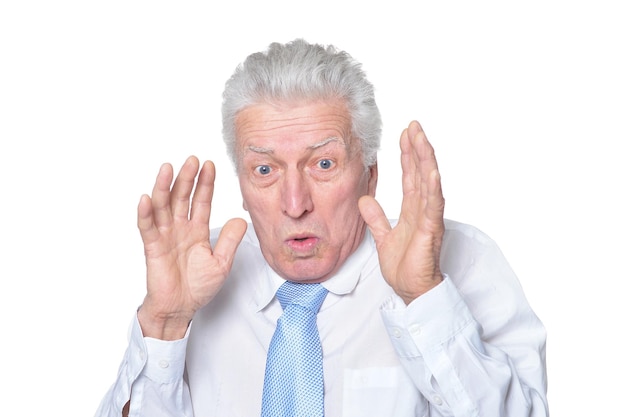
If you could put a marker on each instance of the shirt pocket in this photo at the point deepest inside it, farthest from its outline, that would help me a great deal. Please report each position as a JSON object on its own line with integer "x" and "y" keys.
{"x": 381, "y": 391}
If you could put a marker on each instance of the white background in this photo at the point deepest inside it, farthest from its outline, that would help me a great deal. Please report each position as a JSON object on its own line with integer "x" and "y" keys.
{"x": 524, "y": 103}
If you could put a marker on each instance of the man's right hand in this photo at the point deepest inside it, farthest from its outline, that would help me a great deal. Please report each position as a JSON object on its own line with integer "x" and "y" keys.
{"x": 183, "y": 272}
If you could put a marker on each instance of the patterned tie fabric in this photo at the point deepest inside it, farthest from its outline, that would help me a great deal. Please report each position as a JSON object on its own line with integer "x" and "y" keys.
{"x": 294, "y": 377}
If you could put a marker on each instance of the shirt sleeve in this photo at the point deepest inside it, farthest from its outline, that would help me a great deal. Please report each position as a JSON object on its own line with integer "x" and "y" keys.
{"x": 151, "y": 373}
{"x": 476, "y": 349}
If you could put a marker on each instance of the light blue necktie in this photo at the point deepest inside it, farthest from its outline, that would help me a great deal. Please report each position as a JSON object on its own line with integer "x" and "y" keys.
{"x": 294, "y": 376}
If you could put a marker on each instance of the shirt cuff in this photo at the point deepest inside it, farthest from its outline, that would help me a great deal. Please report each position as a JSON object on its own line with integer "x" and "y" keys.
{"x": 428, "y": 321}
{"x": 162, "y": 361}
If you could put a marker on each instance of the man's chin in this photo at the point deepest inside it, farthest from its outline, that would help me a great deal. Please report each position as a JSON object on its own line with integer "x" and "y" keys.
{"x": 304, "y": 270}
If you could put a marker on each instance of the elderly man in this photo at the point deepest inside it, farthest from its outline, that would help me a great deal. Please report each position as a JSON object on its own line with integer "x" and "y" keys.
{"x": 415, "y": 317}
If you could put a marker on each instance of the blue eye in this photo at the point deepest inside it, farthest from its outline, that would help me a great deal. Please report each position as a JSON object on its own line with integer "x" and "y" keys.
{"x": 325, "y": 164}
{"x": 263, "y": 169}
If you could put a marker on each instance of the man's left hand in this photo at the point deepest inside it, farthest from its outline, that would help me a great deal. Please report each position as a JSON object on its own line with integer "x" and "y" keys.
{"x": 409, "y": 252}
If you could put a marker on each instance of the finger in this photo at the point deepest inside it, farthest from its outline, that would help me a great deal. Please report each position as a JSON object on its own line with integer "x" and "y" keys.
{"x": 203, "y": 195}
{"x": 435, "y": 202}
{"x": 374, "y": 217}
{"x": 431, "y": 197}
{"x": 410, "y": 179}
{"x": 161, "y": 213}
{"x": 145, "y": 221}
{"x": 413, "y": 198}
{"x": 228, "y": 240}
{"x": 423, "y": 153}
{"x": 181, "y": 191}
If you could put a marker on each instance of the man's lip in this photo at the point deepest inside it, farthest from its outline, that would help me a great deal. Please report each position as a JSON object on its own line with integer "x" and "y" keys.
{"x": 302, "y": 243}
{"x": 301, "y": 237}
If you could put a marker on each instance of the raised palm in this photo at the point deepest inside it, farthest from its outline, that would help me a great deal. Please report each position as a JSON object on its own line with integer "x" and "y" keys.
{"x": 409, "y": 252}
{"x": 183, "y": 271}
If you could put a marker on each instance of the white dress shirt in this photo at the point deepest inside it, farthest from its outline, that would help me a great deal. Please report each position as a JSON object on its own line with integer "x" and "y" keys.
{"x": 471, "y": 346}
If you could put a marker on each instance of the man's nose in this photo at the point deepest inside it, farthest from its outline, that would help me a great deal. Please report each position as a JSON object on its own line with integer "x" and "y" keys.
{"x": 296, "y": 195}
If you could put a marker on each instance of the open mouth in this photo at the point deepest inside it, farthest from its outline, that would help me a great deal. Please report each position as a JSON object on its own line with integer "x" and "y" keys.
{"x": 302, "y": 243}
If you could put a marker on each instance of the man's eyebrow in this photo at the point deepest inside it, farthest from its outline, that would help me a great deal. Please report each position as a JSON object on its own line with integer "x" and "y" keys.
{"x": 260, "y": 149}
{"x": 326, "y": 142}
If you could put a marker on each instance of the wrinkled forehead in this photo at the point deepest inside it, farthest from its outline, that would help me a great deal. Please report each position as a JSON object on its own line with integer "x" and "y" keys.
{"x": 313, "y": 123}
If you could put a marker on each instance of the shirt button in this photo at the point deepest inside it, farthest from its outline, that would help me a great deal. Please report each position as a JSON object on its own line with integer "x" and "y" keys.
{"x": 163, "y": 363}
{"x": 437, "y": 400}
{"x": 397, "y": 333}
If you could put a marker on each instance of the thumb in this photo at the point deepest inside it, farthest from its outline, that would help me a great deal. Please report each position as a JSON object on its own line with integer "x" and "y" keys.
{"x": 228, "y": 240}
{"x": 374, "y": 217}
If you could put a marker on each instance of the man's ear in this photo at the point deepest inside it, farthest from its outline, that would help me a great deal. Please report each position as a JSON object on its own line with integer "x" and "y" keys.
{"x": 373, "y": 179}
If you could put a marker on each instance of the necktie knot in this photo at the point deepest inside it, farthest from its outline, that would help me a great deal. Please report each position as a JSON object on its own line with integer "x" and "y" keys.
{"x": 310, "y": 296}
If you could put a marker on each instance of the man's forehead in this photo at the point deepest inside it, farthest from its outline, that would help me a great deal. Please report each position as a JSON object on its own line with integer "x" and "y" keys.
{"x": 297, "y": 112}
{"x": 319, "y": 122}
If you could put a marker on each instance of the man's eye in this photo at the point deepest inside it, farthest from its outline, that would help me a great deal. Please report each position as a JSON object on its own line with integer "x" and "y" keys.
{"x": 263, "y": 169}
{"x": 325, "y": 164}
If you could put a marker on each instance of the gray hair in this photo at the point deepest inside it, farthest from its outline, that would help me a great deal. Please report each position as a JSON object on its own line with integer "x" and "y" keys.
{"x": 301, "y": 71}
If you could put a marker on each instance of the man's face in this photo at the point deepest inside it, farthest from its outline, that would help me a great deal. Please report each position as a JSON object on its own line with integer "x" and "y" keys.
{"x": 301, "y": 175}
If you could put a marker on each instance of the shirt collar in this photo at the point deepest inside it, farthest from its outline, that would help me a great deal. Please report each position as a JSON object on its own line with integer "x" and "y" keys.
{"x": 343, "y": 282}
